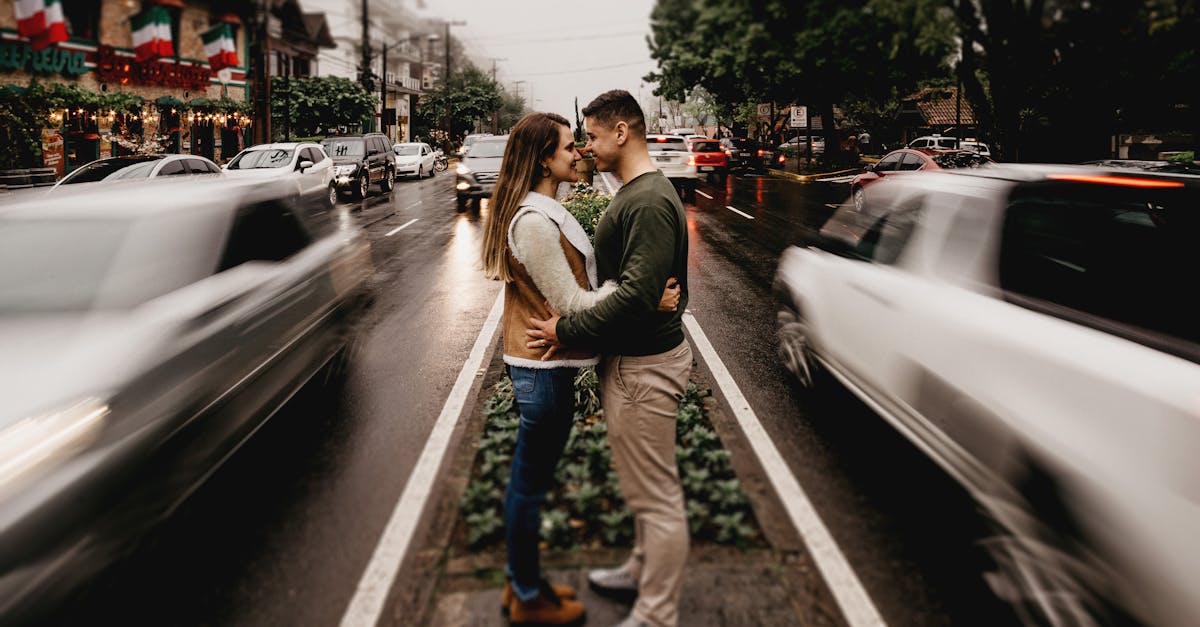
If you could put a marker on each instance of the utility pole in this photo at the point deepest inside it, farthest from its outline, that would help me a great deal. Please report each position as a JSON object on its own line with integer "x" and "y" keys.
{"x": 366, "y": 54}
{"x": 496, "y": 113}
{"x": 383, "y": 89}
{"x": 261, "y": 80}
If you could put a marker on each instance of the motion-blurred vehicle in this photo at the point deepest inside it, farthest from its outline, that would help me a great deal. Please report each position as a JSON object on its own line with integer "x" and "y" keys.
{"x": 135, "y": 167}
{"x": 908, "y": 160}
{"x": 478, "y": 170}
{"x": 360, "y": 160}
{"x": 1026, "y": 328}
{"x": 469, "y": 141}
{"x": 1169, "y": 167}
{"x": 305, "y": 163}
{"x": 711, "y": 161}
{"x": 934, "y": 142}
{"x": 149, "y": 329}
{"x": 670, "y": 155}
{"x": 414, "y": 159}
{"x": 744, "y": 153}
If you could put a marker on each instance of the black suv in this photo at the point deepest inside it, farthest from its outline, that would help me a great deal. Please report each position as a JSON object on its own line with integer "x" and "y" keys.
{"x": 360, "y": 160}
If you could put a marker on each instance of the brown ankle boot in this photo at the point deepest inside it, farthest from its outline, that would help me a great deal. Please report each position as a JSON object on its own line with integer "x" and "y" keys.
{"x": 546, "y": 609}
{"x": 562, "y": 590}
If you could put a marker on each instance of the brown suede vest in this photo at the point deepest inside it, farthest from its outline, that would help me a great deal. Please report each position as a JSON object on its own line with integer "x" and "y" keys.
{"x": 523, "y": 300}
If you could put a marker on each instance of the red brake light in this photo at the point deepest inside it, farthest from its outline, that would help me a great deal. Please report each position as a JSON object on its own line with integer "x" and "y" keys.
{"x": 762, "y": 153}
{"x": 782, "y": 158}
{"x": 661, "y": 139}
{"x": 1124, "y": 181}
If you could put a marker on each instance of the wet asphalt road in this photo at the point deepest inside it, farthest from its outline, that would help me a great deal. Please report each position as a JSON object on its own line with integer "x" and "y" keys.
{"x": 281, "y": 534}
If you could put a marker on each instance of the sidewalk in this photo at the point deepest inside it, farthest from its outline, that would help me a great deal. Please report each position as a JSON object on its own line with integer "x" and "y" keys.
{"x": 775, "y": 583}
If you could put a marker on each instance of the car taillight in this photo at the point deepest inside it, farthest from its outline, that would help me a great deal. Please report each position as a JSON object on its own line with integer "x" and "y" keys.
{"x": 1123, "y": 181}
{"x": 782, "y": 158}
{"x": 763, "y": 153}
{"x": 691, "y": 159}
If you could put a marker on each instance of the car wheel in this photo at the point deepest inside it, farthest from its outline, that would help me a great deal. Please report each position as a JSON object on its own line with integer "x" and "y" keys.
{"x": 420, "y": 172}
{"x": 364, "y": 186}
{"x": 388, "y": 182}
{"x": 795, "y": 346}
{"x": 860, "y": 198}
{"x": 333, "y": 195}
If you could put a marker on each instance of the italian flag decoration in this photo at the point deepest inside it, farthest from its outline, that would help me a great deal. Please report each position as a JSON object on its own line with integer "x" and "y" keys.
{"x": 152, "y": 34}
{"x": 219, "y": 47}
{"x": 41, "y": 21}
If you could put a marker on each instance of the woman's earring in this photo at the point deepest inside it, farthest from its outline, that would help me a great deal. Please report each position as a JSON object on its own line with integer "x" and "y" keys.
{"x": 545, "y": 172}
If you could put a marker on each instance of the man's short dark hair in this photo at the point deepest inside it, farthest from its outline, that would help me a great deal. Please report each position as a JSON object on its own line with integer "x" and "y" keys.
{"x": 614, "y": 106}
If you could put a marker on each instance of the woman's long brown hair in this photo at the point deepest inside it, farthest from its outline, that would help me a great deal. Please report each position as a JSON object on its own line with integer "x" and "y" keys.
{"x": 533, "y": 139}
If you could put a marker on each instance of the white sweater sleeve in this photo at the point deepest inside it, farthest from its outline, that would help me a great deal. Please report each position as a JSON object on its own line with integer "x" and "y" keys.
{"x": 540, "y": 251}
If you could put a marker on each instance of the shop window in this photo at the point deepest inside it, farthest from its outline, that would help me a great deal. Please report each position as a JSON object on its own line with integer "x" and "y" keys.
{"x": 83, "y": 18}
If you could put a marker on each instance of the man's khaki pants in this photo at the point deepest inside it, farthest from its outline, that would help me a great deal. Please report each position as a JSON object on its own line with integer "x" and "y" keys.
{"x": 640, "y": 397}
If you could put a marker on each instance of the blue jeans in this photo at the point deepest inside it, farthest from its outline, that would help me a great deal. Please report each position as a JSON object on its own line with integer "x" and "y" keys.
{"x": 546, "y": 400}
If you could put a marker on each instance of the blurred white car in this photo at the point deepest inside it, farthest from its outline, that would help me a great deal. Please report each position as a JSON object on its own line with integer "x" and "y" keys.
{"x": 304, "y": 162}
{"x": 134, "y": 167}
{"x": 1031, "y": 329}
{"x": 414, "y": 159}
{"x": 148, "y": 330}
{"x": 671, "y": 156}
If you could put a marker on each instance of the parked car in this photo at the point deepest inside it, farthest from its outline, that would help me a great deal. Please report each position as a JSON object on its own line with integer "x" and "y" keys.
{"x": 670, "y": 155}
{"x": 135, "y": 167}
{"x": 711, "y": 161}
{"x": 146, "y": 336}
{"x": 976, "y": 147}
{"x": 415, "y": 159}
{"x": 360, "y": 160}
{"x": 1026, "y": 328}
{"x": 305, "y": 163}
{"x": 907, "y": 160}
{"x": 799, "y": 145}
{"x": 478, "y": 170}
{"x": 747, "y": 154}
{"x": 934, "y": 142}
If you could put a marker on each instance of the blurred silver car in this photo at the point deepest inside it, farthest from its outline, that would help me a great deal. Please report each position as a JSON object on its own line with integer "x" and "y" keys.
{"x": 1030, "y": 329}
{"x": 134, "y": 167}
{"x": 147, "y": 330}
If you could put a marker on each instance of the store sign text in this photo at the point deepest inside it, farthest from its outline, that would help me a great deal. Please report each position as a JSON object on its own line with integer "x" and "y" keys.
{"x": 114, "y": 68}
{"x": 19, "y": 56}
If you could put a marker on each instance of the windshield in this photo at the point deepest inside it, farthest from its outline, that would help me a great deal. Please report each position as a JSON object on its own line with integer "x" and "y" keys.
{"x": 667, "y": 143}
{"x": 255, "y": 159}
{"x": 405, "y": 150}
{"x": 489, "y": 148}
{"x": 707, "y": 147}
{"x": 117, "y": 168}
{"x": 345, "y": 147}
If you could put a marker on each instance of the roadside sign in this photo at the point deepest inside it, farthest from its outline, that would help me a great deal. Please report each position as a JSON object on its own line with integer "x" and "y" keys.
{"x": 799, "y": 117}
{"x": 764, "y": 111}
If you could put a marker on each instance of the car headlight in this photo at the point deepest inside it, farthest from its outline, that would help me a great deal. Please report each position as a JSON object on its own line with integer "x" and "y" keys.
{"x": 344, "y": 170}
{"x": 462, "y": 169}
{"x": 27, "y": 444}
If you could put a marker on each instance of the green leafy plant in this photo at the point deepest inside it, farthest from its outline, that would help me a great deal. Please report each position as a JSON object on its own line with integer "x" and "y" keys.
{"x": 587, "y": 204}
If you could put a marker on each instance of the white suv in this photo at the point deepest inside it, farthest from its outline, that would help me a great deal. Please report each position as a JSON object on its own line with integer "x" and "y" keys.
{"x": 671, "y": 156}
{"x": 934, "y": 142}
{"x": 1030, "y": 329}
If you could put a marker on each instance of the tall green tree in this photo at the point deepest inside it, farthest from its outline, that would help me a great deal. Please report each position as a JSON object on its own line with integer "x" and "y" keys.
{"x": 470, "y": 95}
{"x": 512, "y": 109}
{"x": 319, "y": 105}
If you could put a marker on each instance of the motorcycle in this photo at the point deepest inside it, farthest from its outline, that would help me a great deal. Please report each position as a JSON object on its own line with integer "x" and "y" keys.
{"x": 440, "y": 162}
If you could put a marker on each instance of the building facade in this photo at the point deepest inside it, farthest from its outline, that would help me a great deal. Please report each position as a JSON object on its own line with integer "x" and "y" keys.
{"x": 107, "y": 102}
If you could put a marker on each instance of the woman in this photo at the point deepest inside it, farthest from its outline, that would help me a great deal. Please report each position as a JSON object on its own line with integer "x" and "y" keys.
{"x": 533, "y": 244}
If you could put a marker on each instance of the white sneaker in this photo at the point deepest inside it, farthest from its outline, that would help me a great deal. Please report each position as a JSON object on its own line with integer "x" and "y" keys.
{"x": 615, "y": 580}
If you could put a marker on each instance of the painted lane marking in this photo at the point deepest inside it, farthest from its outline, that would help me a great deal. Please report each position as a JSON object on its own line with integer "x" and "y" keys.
{"x": 739, "y": 212}
{"x": 367, "y": 605}
{"x": 399, "y": 228}
{"x": 849, "y": 593}
{"x": 703, "y": 194}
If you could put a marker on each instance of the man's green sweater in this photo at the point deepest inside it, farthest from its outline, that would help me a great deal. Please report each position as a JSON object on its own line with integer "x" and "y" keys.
{"x": 641, "y": 241}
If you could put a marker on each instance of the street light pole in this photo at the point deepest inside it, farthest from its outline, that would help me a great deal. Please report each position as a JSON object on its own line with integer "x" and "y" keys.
{"x": 446, "y": 79}
{"x": 496, "y": 113}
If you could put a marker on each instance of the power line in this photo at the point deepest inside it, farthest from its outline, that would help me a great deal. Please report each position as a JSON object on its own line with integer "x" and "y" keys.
{"x": 586, "y": 69}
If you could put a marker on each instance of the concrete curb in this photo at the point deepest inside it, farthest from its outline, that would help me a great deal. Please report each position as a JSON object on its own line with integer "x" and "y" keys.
{"x": 808, "y": 178}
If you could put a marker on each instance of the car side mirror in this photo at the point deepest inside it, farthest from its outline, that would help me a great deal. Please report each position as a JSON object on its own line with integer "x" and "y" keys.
{"x": 870, "y": 168}
{"x": 306, "y": 164}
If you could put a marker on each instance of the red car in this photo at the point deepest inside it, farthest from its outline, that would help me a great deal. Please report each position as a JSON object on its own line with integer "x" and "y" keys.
{"x": 912, "y": 160}
{"x": 711, "y": 161}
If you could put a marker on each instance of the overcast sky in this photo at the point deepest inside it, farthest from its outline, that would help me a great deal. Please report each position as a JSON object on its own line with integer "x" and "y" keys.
{"x": 562, "y": 50}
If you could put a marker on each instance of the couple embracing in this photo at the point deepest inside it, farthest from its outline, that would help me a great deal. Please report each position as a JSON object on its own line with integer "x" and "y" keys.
{"x": 617, "y": 306}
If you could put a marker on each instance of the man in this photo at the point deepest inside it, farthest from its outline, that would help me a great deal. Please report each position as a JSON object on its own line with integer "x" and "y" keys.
{"x": 641, "y": 241}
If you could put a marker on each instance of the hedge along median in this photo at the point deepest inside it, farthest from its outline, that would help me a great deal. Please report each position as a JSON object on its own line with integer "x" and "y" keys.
{"x": 585, "y": 508}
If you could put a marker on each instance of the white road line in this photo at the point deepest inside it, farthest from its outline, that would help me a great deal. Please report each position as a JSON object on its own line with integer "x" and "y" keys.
{"x": 703, "y": 194}
{"x": 399, "y": 228}
{"x": 739, "y": 212}
{"x": 412, "y": 205}
{"x": 367, "y": 605}
{"x": 856, "y": 606}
